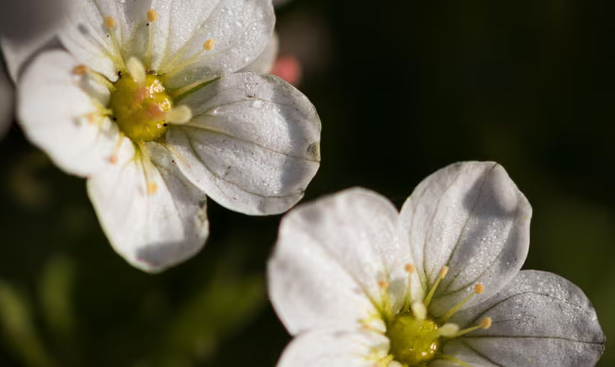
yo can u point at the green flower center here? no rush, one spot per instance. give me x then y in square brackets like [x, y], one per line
[414, 342]
[140, 108]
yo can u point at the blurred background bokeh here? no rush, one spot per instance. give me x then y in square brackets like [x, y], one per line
[403, 88]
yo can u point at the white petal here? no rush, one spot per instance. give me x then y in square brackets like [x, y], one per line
[52, 109]
[240, 29]
[264, 63]
[539, 319]
[335, 349]
[330, 259]
[151, 230]
[87, 38]
[472, 218]
[18, 52]
[253, 144]
[27, 26]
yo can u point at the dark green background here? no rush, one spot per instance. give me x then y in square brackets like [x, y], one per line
[403, 88]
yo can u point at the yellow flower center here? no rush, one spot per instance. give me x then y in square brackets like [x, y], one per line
[414, 342]
[415, 337]
[140, 107]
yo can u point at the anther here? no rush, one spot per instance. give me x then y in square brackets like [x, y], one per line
[443, 272]
[478, 289]
[409, 268]
[152, 188]
[432, 291]
[209, 44]
[80, 70]
[152, 15]
[485, 323]
[179, 115]
[110, 22]
[419, 310]
[113, 159]
[383, 284]
[448, 330]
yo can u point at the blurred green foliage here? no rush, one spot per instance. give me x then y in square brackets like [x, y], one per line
[407, 87]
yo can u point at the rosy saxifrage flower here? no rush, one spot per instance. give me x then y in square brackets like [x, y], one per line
[361, 285]
[145, 104]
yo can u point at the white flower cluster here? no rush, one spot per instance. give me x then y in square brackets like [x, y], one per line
[161, 103]
[438, 285]
[146, 103]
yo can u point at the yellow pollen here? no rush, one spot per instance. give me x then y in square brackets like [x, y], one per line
[409, 268]
[152, 15]
[209, 44]
[110, 22]
[80, 69]
[479, 288]
[383, 284]
[432, 291]
[443, 272]
[152, 188]
[113, 159]
[485, 323]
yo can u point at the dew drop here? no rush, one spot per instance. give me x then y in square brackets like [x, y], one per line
[257, 104]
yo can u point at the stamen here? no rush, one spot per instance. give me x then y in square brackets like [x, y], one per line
[113, 158]
[83, 70]
[152, 17]
[419, 310]
[409, 268]
[432, 291]
[478, 289]
[152, 188]
[80, 70]
[386, 307]
[448, 330]
[209, 44]
[179, 115]
[484, 324]
[368, 327]
[110, 24]
[174, 69]
[136, 70]
[148, 171]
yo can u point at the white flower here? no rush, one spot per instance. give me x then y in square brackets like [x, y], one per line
[361, 285]
[145, 105]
